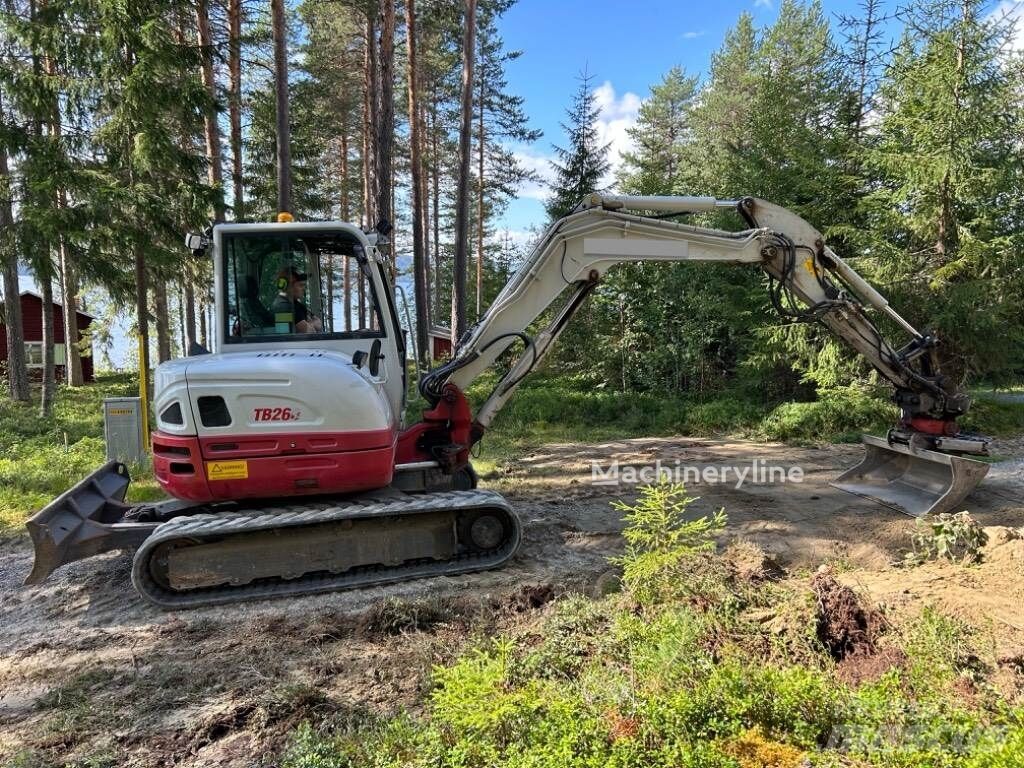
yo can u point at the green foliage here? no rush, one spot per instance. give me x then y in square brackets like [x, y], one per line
[597, 683]
[957, 537]
[843, 413]
[40, 458]
[663, 548]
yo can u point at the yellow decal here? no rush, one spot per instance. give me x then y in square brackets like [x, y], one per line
[810, 266]
[227, 470]
[122, 411]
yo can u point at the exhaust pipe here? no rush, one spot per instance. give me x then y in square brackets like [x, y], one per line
[914, 480]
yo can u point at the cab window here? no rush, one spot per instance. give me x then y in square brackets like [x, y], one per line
[303, 286]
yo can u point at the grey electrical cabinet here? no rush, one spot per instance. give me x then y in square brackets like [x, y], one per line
[122, 428]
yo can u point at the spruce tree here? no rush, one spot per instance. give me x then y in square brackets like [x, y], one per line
[947, 183]
[582, 164]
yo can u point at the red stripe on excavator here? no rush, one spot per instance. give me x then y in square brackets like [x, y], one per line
[942, 427]
[311, 467]
[277, 444]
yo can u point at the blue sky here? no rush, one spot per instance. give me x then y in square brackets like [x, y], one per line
[626, 46]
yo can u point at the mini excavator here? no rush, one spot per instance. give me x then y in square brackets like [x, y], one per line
[290, 467]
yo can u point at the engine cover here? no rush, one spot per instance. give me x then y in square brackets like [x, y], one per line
[271, 423]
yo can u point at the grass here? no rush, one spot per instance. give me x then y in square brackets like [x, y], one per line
[649, 677]
[42, 458]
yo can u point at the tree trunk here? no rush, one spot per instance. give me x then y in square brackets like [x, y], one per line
[69, 300]
[425, 197]
[386, 111]
[47, 392]
[369, 120]
[419, 260]
[182, 341]
[215, 173]
[190, 314]
[284, 153]
[204, 332]
[17, 372]
[163, 326]
[436, 199]
[480, 203]
[235, 107]
[345, 212]
[68, 280]
[142, 308]
[462, 193]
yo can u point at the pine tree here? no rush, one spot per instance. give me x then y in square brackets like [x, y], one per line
[500, 121]
[661, 136]
[149, 94]
[463, 181]
[580, 166]
[721, 116]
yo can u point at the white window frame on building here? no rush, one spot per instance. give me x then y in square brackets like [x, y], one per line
[34, 354]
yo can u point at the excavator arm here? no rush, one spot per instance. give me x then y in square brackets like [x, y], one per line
[807, 282]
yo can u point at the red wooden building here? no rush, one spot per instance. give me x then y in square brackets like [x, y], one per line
[32, 323]
[440, 343]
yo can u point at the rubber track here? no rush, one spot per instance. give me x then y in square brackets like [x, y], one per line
[216, 526]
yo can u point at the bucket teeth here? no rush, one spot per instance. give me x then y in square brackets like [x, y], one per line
[915, 480]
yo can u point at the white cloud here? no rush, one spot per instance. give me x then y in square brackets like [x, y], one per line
[616, 116]
[1013, 12]
[693, 35]
[769, 4]
[540, 164]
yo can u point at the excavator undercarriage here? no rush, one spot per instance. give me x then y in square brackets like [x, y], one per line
[189, 556]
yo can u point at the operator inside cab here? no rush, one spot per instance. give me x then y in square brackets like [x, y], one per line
[291, 315]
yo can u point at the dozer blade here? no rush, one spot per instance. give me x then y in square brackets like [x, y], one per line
[84, 521]
[915, 480]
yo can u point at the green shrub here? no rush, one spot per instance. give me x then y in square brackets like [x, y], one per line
[956, 537]
[661, 544]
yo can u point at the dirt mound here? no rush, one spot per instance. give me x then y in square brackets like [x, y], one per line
[844, 625]
[749, 563]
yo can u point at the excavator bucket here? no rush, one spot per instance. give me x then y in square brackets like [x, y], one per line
[84, 521]
[915, 480]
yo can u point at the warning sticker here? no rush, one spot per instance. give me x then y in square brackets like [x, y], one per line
[227, 470]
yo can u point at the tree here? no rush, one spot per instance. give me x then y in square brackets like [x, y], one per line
[419, 258]
[947, 180]
[17, 372]
[384, 139]
[720, 117]
[235, 21]
[500, 120]
[661, 137]
[464, 181]
[149, 96]
[579, 167]
[211, 126]
[283, 126]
